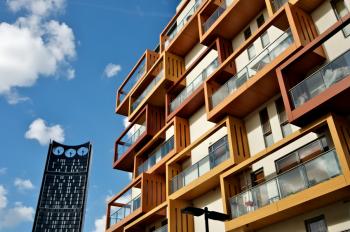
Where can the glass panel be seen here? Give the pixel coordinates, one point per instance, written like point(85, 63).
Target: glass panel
point(287, 162)
point(273, 50)
point(215, 157)
point(216, 14)
point(179, 99)
point(130, 140)
point(126, 209)
point(277, 4)
point(322, 79)
point(306, 175)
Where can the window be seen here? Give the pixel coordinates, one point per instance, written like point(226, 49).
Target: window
point(266, 127)
point(317, 224)
point(282, 116)
point(258, 177)
point(260, 20)
point(247, 33)
point(251, 52)
point(265, 40)
point(341, 9)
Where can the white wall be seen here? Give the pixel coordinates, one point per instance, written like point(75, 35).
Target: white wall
point(254, 129)
point(337, 218)
point(212, 200)
point(324, 17)
point(185, 10)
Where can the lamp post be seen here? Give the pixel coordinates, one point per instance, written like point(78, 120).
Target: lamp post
point(207, 215)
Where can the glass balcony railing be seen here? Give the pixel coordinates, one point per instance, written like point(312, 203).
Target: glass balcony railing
point(156, 156)
point(277, 4)
point(213, 159)
point(217, 13)
point(162, 229)
point(147, 90)
point(133, 79)
point(130, 140)
point(255, 65)
point(125, 210)
point(185, 93)
point(322, 79)
point(176, 27)
point(303, 176)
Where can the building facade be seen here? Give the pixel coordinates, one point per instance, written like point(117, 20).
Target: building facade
point(244, 109)
point(63, 193)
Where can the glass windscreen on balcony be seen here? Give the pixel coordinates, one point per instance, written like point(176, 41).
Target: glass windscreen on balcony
point(217, 154)
point(277, 4)
point(140, 70)
point(156, 155)
point(177, 26)
point(130, 138)
point(186, 92)
point(321, 80)
point(310, 173)
point(273, 50)
point(216, 14)
point(147, 90)
point(126, 208)
point(162, 229)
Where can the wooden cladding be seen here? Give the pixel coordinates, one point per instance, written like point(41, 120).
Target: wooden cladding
point(178, 222)
point(153, 191)
point(151, 58)
point(174, 67)
point(182, 133)
point(238, 140)
point(225, 49)
point(155, 119)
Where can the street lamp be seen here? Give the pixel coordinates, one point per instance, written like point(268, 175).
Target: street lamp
point(207, 215)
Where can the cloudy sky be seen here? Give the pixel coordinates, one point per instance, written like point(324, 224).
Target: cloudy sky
point(60, 65)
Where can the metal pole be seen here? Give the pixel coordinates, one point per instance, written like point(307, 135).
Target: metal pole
point(206, 219)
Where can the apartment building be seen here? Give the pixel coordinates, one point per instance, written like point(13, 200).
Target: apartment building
point(244, 108)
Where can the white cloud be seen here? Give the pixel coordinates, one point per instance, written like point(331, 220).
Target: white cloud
point(12, 217)
point(100, 224)
point(126, 123)
point(70, 74)
point(130, 175)
point(37, 7)
point(3, 198)
point(42, 133)
point(3, 171)
point(22, 184)
point(33, 46)
point(112, 70)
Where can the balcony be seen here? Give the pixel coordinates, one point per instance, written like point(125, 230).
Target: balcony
point(141, 196)
point(227, 18)
point(181, 34)
point(154, 84)
point(313, 172)
point(303, 172)
point(238, 91)
point(275, 49)
point(179, 95)
point(168, 141)
point(141, 130)
point(185, 178)
point(203, 166)
point(142, 67)
point(313, 85)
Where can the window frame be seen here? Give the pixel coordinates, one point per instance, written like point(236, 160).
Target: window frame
point(308, 222)
point(333, 4)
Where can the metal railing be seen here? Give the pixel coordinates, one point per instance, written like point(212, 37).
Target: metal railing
point(305, 175)
point(133, 79)
point(131, 139)
point(210, 161)
point(176, 27)
point(156, 156)
point(125, 210)
point(255, 65)
point(186, 92)
point(216, 14)
point(322, 79)
point(147, 90)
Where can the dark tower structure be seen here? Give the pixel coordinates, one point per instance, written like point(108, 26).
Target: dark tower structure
point(63, 193)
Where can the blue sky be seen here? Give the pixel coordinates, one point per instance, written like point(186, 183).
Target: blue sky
point(53, 54)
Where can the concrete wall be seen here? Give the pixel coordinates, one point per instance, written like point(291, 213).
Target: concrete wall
point(337, 217)
point(212, 200)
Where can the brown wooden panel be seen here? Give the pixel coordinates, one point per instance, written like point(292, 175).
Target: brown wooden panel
point(178, 222)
